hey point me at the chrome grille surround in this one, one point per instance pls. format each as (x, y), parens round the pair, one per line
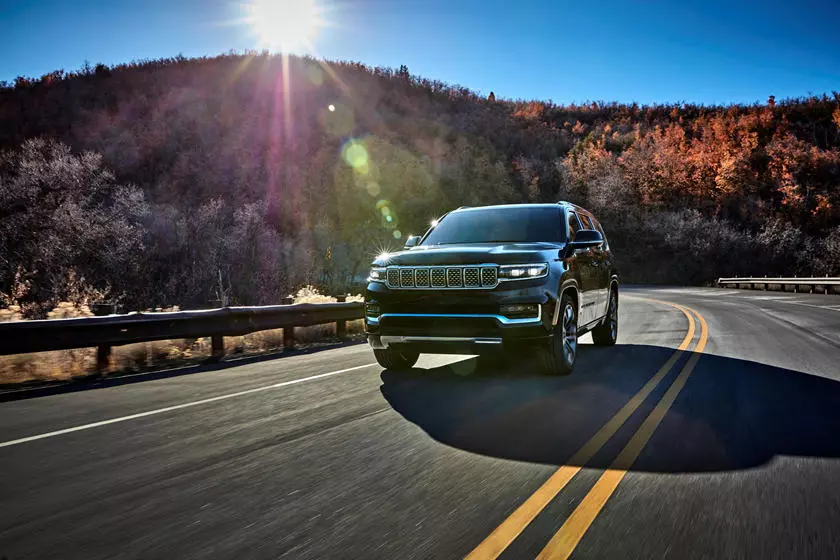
(455, 277)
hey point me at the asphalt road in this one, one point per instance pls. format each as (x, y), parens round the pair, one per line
(721, 444)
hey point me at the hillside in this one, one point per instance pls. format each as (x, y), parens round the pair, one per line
(182, 180)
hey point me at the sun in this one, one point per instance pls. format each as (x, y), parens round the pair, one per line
(287, 25)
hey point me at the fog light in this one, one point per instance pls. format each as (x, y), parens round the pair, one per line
(520, 310)
(372, 309)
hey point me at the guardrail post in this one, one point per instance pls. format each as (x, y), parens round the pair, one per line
(341, 326)
(217, 347)
(288, 300)
(288, 338)
(103, 358)
(103, 351)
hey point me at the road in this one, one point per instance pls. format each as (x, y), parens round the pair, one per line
(712, 430)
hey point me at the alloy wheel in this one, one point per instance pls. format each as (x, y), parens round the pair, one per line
(569, 334)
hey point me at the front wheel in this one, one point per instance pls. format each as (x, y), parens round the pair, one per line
(397, 360)
(606, 333)
(558, 355)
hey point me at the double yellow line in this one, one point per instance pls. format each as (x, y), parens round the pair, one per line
(567, 538)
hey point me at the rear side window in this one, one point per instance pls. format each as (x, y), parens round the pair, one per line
(574, 226)
(598, 227)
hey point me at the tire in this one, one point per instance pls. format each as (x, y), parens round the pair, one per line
(606, 333)
(557, 356)
(397, 360)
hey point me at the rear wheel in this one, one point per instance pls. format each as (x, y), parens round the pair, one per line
(606, 333)
(558, 355)
(391, 358)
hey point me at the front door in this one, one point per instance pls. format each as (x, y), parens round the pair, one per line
(586, 265)
(602, 267)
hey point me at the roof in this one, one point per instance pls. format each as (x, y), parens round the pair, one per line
(561, 203)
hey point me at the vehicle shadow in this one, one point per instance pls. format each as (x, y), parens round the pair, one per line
(732, 413)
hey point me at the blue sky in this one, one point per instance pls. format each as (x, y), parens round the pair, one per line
(645, 51)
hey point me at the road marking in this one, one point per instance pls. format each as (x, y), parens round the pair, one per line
(830, 308)
(178, 407)
(563, 543)
(512, 527)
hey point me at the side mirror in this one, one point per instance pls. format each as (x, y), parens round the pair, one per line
(412, 241)
(585, 239)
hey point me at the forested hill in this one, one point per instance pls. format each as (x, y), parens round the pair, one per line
(245, 176)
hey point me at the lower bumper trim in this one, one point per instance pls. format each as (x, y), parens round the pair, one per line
(386, 340)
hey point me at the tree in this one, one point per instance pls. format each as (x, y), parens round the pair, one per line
(61, 211)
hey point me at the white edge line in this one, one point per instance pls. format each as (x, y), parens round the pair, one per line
(176, 407)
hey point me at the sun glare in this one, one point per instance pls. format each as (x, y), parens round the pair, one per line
(287, 25)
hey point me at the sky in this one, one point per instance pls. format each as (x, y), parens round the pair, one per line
(647, 51)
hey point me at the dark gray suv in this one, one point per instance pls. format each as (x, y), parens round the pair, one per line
(511, 278)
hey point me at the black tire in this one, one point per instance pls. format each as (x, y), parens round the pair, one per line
(606, 333)
(557, 356)
(397, 360)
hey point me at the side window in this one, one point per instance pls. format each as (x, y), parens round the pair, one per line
(584, 220)
(574, 226)
(597, 225)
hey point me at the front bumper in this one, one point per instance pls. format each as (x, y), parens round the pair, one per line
(457, 323)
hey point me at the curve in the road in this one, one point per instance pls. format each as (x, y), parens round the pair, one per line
(564, 542)
(512, 527)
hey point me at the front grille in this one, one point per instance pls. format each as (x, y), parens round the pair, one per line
(489, 276)
(407, 278)
(454, 277)
(472, 279)
(449, 277)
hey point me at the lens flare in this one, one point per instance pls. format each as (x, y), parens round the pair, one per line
(355, 155)
(389, 217)
(373, 188)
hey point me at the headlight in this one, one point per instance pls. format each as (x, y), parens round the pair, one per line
(377, 274)
(523, 271)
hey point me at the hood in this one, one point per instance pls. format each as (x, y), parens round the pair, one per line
(473, 253)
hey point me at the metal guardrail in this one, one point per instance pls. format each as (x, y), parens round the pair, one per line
(814, 284)
(20, 337)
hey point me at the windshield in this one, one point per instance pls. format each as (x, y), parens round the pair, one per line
(497, 225)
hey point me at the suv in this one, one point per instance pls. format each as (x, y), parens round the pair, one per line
(511, 277)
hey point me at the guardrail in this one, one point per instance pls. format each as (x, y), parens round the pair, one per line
(814, 284)
(20, 337)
